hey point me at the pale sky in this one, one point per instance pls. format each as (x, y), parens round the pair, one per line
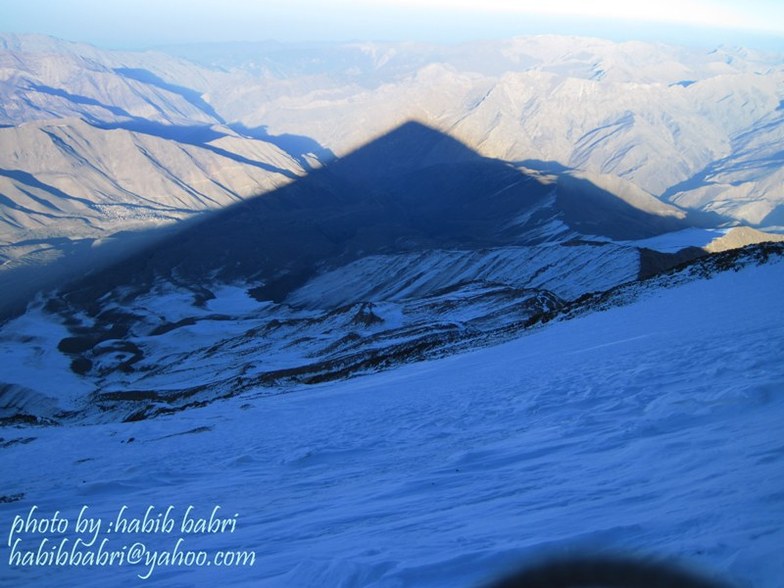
(142, 23)
(732, 14)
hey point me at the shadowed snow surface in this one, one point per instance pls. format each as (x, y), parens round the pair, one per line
(652, 428)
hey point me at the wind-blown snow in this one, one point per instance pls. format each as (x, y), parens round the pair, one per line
(590, 267)
(651, 428)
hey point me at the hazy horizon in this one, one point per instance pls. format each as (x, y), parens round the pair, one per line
(145, 24)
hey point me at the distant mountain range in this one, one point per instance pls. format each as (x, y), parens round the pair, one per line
(97, 143)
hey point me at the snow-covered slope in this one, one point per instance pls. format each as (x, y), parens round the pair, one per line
(649, 429)
(589, 266)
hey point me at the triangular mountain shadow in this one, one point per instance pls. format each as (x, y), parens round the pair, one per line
(594, 210)
(300, 147)
(412, 189)
(589, 209)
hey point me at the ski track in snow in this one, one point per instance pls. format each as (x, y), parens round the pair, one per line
(648, 429)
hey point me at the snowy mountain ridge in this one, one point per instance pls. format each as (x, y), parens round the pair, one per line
(166, 351)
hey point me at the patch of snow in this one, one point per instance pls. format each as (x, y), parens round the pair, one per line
(677, 240)
(30, 360)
